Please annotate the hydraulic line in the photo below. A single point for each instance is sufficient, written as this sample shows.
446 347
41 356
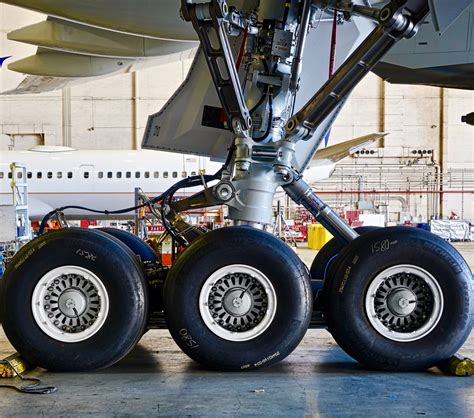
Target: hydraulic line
332 55
188 182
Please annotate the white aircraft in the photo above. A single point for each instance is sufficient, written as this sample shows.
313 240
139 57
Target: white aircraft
61 176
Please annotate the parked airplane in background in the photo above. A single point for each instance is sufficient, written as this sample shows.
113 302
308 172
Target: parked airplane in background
61 176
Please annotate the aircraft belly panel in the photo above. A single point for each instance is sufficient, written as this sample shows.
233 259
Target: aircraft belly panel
432 59
444 13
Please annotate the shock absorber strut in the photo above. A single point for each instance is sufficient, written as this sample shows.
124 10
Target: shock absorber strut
302 194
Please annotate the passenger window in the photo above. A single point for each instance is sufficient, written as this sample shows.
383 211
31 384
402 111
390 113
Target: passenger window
1 175
193 173
175 174
28 175
147 174
20 175
39 175
60 175
109 175
86 174
128 174
184 174
69 175
137 174
165 174
119 174
10 175
156 174
50 174
100 174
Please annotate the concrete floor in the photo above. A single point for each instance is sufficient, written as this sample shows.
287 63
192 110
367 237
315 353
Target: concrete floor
318 379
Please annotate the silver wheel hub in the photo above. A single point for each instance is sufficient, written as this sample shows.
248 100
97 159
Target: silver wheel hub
401 302
237 302
404 303
70 304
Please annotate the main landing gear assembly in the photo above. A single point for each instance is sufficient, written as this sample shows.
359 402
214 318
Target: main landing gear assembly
237 298
394 299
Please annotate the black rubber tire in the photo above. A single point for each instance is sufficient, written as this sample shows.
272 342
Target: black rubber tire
149 259
121 274
361 261
328 254
238 245
137 245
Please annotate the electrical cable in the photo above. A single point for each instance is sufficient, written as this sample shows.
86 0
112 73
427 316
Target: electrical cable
265 93
260 102
187 182
169 197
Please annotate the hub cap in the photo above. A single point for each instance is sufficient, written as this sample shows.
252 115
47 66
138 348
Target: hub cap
70 304
404 303
237 302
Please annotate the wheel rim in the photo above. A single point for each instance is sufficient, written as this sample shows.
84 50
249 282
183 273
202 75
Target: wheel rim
404 303
237 302
70 304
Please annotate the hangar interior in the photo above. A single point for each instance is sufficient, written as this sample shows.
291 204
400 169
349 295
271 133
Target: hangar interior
420 174
427 139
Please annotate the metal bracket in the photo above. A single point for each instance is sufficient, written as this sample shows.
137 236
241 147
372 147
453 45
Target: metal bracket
209 22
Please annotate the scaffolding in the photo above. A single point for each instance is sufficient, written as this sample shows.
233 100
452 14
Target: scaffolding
15 229
19 186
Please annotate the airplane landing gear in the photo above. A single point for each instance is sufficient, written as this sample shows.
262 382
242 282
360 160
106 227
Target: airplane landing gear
238 299
400 299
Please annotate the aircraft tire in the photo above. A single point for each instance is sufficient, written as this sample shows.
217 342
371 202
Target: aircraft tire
137 245
74 300
238 299
400 300
327 255
150 262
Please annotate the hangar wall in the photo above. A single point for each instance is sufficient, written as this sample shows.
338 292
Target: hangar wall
111 114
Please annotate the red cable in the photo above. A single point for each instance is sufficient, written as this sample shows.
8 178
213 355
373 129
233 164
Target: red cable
332 56
242 49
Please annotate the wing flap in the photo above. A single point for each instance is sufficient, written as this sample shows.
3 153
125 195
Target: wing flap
151 18
67 36
337 152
